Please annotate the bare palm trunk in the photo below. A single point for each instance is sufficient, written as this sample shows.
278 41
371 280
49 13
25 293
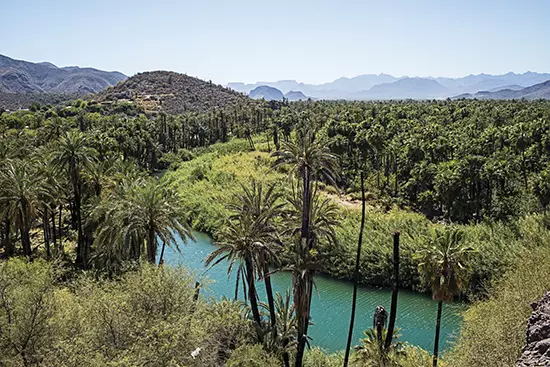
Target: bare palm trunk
26 241
437 330
356 274
151 247
303 293
161 260
8 245
252 293
81 243
46 230
270 300
393 309
54 235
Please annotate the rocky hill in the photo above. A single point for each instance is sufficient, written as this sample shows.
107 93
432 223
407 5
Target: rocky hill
171 92
537 350
266 92
296 96
17 76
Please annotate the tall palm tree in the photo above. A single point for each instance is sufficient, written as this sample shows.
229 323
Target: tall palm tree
263 205
72 154
310 159
442 266
303 263
356 273
21 189
242 244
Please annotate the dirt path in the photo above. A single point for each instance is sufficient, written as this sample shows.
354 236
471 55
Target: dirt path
344 200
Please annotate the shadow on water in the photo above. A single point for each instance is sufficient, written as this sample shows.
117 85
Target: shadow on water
331 304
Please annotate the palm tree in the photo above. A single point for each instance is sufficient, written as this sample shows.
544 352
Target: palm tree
371 351
72 154
356 274
443 267
265 206
323 216
284 341
20 193
137 219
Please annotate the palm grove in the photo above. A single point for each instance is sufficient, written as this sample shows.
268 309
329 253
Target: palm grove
76 187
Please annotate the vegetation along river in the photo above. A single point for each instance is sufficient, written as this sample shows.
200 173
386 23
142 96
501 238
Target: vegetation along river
331 304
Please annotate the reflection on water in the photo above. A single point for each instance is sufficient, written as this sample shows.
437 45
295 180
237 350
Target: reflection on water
331 304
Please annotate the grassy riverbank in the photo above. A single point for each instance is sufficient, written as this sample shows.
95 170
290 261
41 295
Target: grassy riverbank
208 182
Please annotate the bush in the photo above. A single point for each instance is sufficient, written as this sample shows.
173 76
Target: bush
493 332
252 356
147 317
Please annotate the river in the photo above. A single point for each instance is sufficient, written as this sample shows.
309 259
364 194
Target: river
331 304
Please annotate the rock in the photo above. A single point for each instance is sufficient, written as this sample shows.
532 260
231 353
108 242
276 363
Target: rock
537 350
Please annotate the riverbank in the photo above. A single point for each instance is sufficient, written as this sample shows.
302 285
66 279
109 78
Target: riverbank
208 182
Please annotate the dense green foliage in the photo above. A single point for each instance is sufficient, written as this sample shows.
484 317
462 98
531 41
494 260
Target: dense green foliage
76 185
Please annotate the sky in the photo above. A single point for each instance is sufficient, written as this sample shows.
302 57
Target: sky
309 41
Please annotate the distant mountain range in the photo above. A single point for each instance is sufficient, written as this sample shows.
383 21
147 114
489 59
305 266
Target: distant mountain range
18 76
384 86
537 91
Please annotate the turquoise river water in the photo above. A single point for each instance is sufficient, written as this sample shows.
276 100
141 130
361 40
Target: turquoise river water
331 304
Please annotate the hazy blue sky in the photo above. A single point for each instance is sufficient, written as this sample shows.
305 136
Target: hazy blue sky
310 41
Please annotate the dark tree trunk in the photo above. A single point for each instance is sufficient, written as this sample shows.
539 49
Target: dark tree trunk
302 309
356 273
151 247
252 293
46 229
54 235
270 300
25 240
437 330
81 243
8 244
395 288
161 259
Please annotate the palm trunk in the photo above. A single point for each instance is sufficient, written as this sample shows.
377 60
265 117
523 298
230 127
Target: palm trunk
270 300
356 274
393 310
161 260
54 235
302 309
26 241
437 330
81 244
8 245
252 293
151 248
46 230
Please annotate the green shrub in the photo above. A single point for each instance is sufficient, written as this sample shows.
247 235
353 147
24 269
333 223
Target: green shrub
252 356
493 332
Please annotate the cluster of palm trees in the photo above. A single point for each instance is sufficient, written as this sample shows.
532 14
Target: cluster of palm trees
117 212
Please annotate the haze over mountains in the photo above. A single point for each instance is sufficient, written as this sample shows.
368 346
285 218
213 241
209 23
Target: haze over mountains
17 76
384 86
